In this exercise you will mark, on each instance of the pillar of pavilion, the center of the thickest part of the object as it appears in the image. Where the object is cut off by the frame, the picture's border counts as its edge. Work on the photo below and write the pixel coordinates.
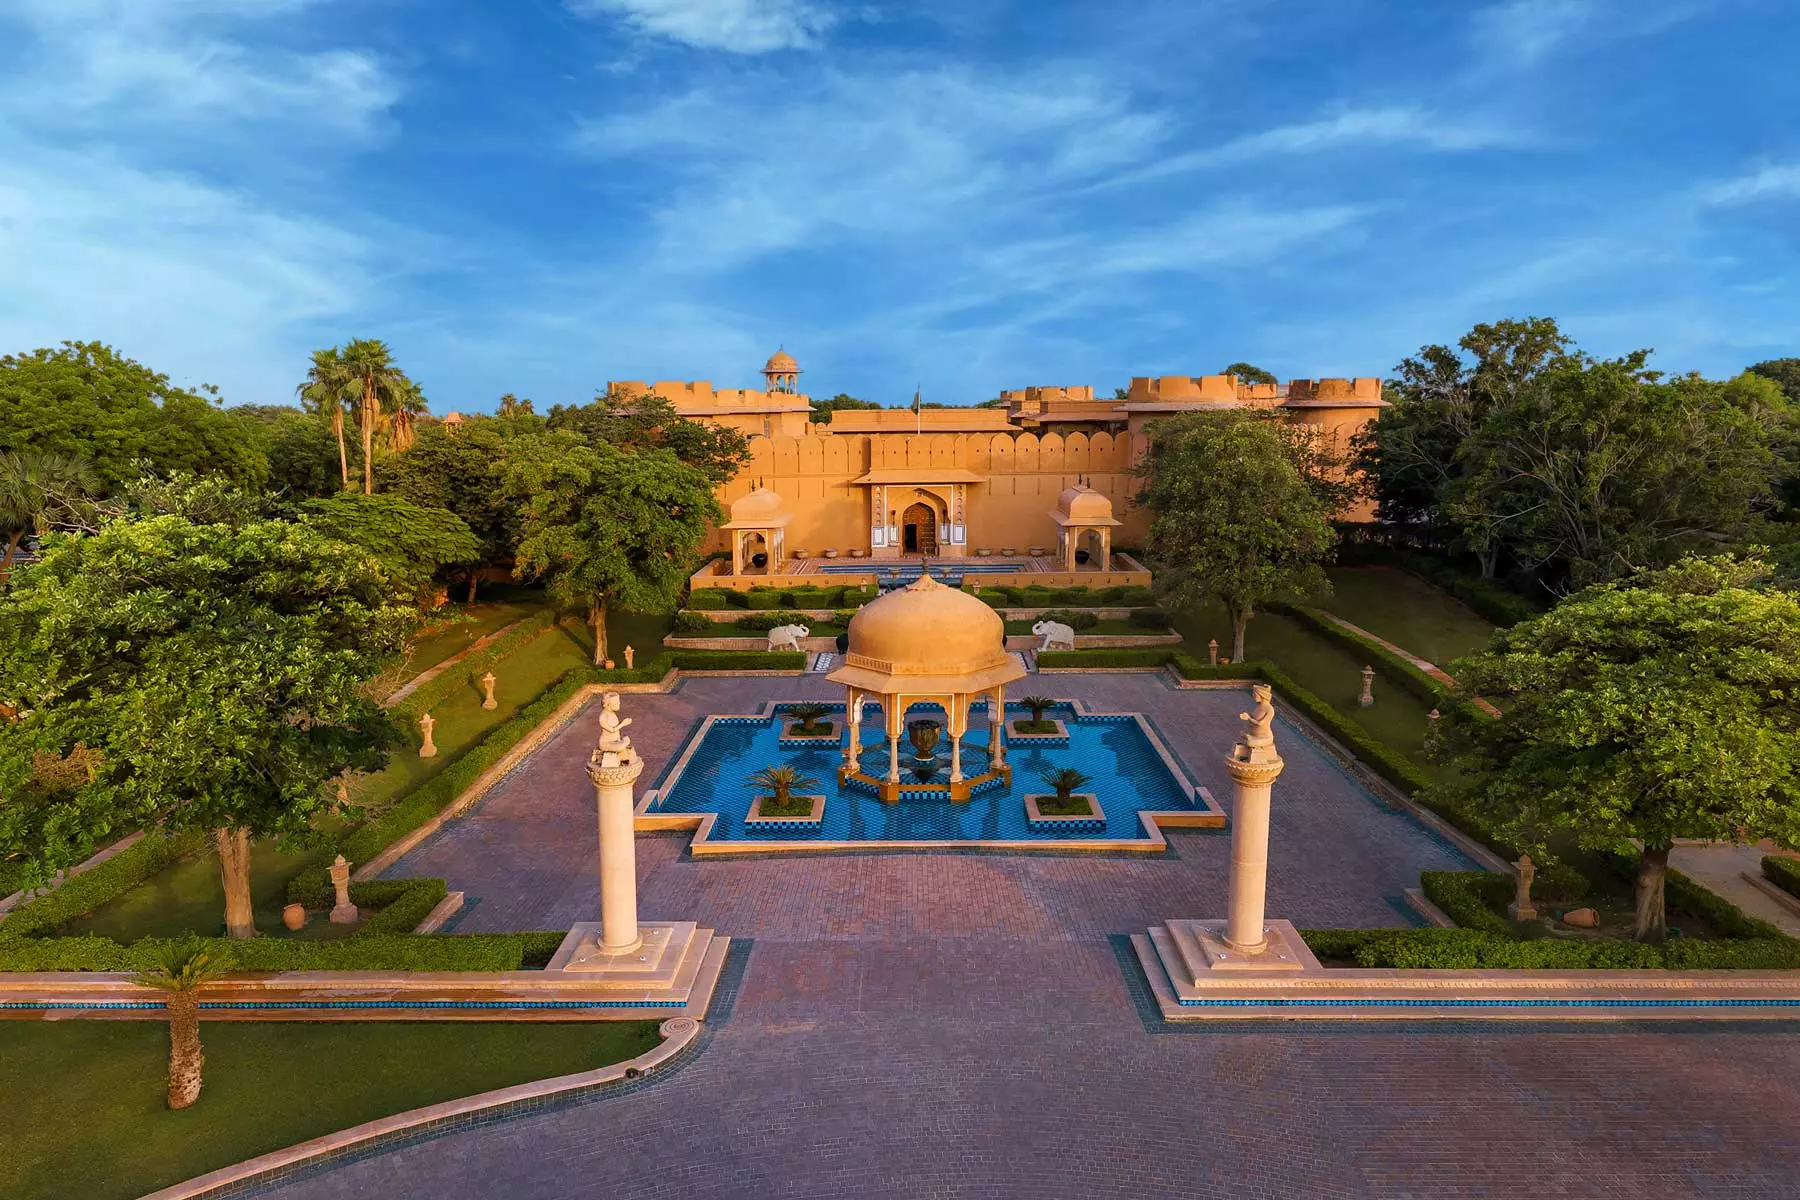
(925, 644)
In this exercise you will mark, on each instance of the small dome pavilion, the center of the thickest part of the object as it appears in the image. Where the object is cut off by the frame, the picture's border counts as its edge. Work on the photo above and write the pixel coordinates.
(758, 524)
(1083, 515)
(926, 644)
(782, 372)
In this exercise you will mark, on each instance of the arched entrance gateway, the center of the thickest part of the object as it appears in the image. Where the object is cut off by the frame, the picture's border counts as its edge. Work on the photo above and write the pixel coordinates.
(925, 645)
(919, 529)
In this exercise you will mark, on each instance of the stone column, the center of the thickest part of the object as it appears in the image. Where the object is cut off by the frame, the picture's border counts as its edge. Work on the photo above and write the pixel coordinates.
(852, 728)
(1253, 771)
(997, 729)
(1367, 699)
(893, 775)
(618, 852)
(957, 714)
(1212, 652)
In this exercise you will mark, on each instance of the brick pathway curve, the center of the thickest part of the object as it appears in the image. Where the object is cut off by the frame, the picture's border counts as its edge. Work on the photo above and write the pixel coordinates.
(963, 1026)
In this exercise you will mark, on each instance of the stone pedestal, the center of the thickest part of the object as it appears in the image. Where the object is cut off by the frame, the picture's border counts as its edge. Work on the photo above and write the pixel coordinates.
(343, 912)
(1253, 771)
(487, 683)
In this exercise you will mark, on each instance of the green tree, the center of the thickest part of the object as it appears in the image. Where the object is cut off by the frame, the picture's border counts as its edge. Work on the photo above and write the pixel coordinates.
(327, 392)
(220, 670)
(37, 488)
(1597, 469)
(822, 409)
(412, 543)
(650, 422)
(87, 401)
(1249, 373)
(1421, 455)
(604, 525)
(1653, 708)
(181, 970)
(1234, 517)
(461, 469)
(1785, 372)
(512, 406)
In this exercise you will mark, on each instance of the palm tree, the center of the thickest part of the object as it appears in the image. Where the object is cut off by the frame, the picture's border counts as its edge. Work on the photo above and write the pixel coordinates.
(1064, 779)
(328, 387)
(1037, 705)
(181, 970)
(36, 487)
(782, 782)
(808, 715)
(381, 388)
(400, 427)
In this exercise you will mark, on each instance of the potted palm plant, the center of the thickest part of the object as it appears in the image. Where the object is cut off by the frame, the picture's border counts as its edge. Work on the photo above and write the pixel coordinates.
(807, 722)
(181, 970)
(782, 801)
(1037, 724)
(1067, 802)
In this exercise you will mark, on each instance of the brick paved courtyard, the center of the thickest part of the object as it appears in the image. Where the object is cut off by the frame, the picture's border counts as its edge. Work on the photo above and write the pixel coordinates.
(963, 1025)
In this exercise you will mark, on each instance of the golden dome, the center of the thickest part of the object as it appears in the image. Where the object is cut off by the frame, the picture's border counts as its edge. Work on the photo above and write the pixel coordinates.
(763, 505)
(1083, 503)
(781, 363)
(927, 628)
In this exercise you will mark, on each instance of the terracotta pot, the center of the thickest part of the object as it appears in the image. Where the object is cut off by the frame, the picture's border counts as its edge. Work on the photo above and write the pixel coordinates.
(609, 664)
(294, 916)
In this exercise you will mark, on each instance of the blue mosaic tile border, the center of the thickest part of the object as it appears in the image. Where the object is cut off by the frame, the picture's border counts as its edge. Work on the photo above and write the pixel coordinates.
(1571, 1002)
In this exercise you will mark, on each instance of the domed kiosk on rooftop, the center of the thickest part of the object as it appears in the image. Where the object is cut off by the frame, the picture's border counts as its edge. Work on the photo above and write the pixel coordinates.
(926, 644)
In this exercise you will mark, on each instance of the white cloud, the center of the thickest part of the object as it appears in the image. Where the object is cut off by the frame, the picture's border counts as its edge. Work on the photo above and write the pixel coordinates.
(1525, 33)
(153, 64)
(734, 26)
(759, 171)
(1771, 182)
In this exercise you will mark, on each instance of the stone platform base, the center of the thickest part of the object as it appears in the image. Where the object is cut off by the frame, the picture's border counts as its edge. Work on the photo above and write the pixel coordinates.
(666, 969)
(1191, 952)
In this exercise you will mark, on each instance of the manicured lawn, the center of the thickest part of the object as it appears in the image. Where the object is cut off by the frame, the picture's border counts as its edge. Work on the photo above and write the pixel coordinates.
(1320, 666)
(484, 619)
(86, 1098)
(725, 630)
(1407, 611)
(189, 895)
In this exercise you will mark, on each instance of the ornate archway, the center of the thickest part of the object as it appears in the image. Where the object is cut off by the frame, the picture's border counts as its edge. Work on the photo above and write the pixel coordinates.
(919, 529)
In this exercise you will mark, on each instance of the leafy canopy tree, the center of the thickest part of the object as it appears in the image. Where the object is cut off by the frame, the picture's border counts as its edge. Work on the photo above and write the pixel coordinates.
(512, 406)
(1785, 372)
(37, 488)
(1421, 456)
(1249, 373)
(411, 543)
(463, 470)
(822, 409)
(651, 423)
(1654, 708)
(1234, 515)
(220, 671)
(604, 525)
(87, 401)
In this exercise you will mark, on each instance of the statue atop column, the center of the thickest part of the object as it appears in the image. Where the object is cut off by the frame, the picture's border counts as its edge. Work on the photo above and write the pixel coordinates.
(1258, 742)
(614, 748)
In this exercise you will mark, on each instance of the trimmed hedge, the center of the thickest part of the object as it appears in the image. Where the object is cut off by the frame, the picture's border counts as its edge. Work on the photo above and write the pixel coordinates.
(690, 621)
(83, 893)
(1784, 873)
(1478, 949)
(1422, 686)
(739, 660)
(1148, 618)
(469, 671)
(765, 599)
(378, 952)
(762, 622)
(706, 599)
(1073, 618)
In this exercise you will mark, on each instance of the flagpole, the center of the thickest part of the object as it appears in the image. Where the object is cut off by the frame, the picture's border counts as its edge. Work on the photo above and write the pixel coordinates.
(918, 417)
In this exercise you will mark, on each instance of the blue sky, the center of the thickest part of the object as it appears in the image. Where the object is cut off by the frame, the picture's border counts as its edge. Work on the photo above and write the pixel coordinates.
(537, 196)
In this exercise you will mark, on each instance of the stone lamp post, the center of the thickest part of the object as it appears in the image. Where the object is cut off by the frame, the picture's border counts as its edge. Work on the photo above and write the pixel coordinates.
(1212, 652)
(487, 683)
(1367, 699)
(343, 912)
(428, 749)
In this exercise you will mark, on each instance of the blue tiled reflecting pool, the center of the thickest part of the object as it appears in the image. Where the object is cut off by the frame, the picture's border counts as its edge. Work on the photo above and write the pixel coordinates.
(1129, 776)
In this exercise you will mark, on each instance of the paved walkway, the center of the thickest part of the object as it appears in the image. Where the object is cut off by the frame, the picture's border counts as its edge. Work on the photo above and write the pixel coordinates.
(430, 673)
(1721, 866)
(963, 1025)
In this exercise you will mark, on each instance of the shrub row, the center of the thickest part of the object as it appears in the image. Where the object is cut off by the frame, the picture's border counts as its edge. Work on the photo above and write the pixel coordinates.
(739, 660)
(469, 671)
(85, 892)
(373, 952)
(1041, 597)
(762, 599)
(1481, 949)
(1784, 873)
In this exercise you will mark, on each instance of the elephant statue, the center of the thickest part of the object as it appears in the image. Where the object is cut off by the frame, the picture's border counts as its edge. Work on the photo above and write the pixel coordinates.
(1054, 633)
(786, 637)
